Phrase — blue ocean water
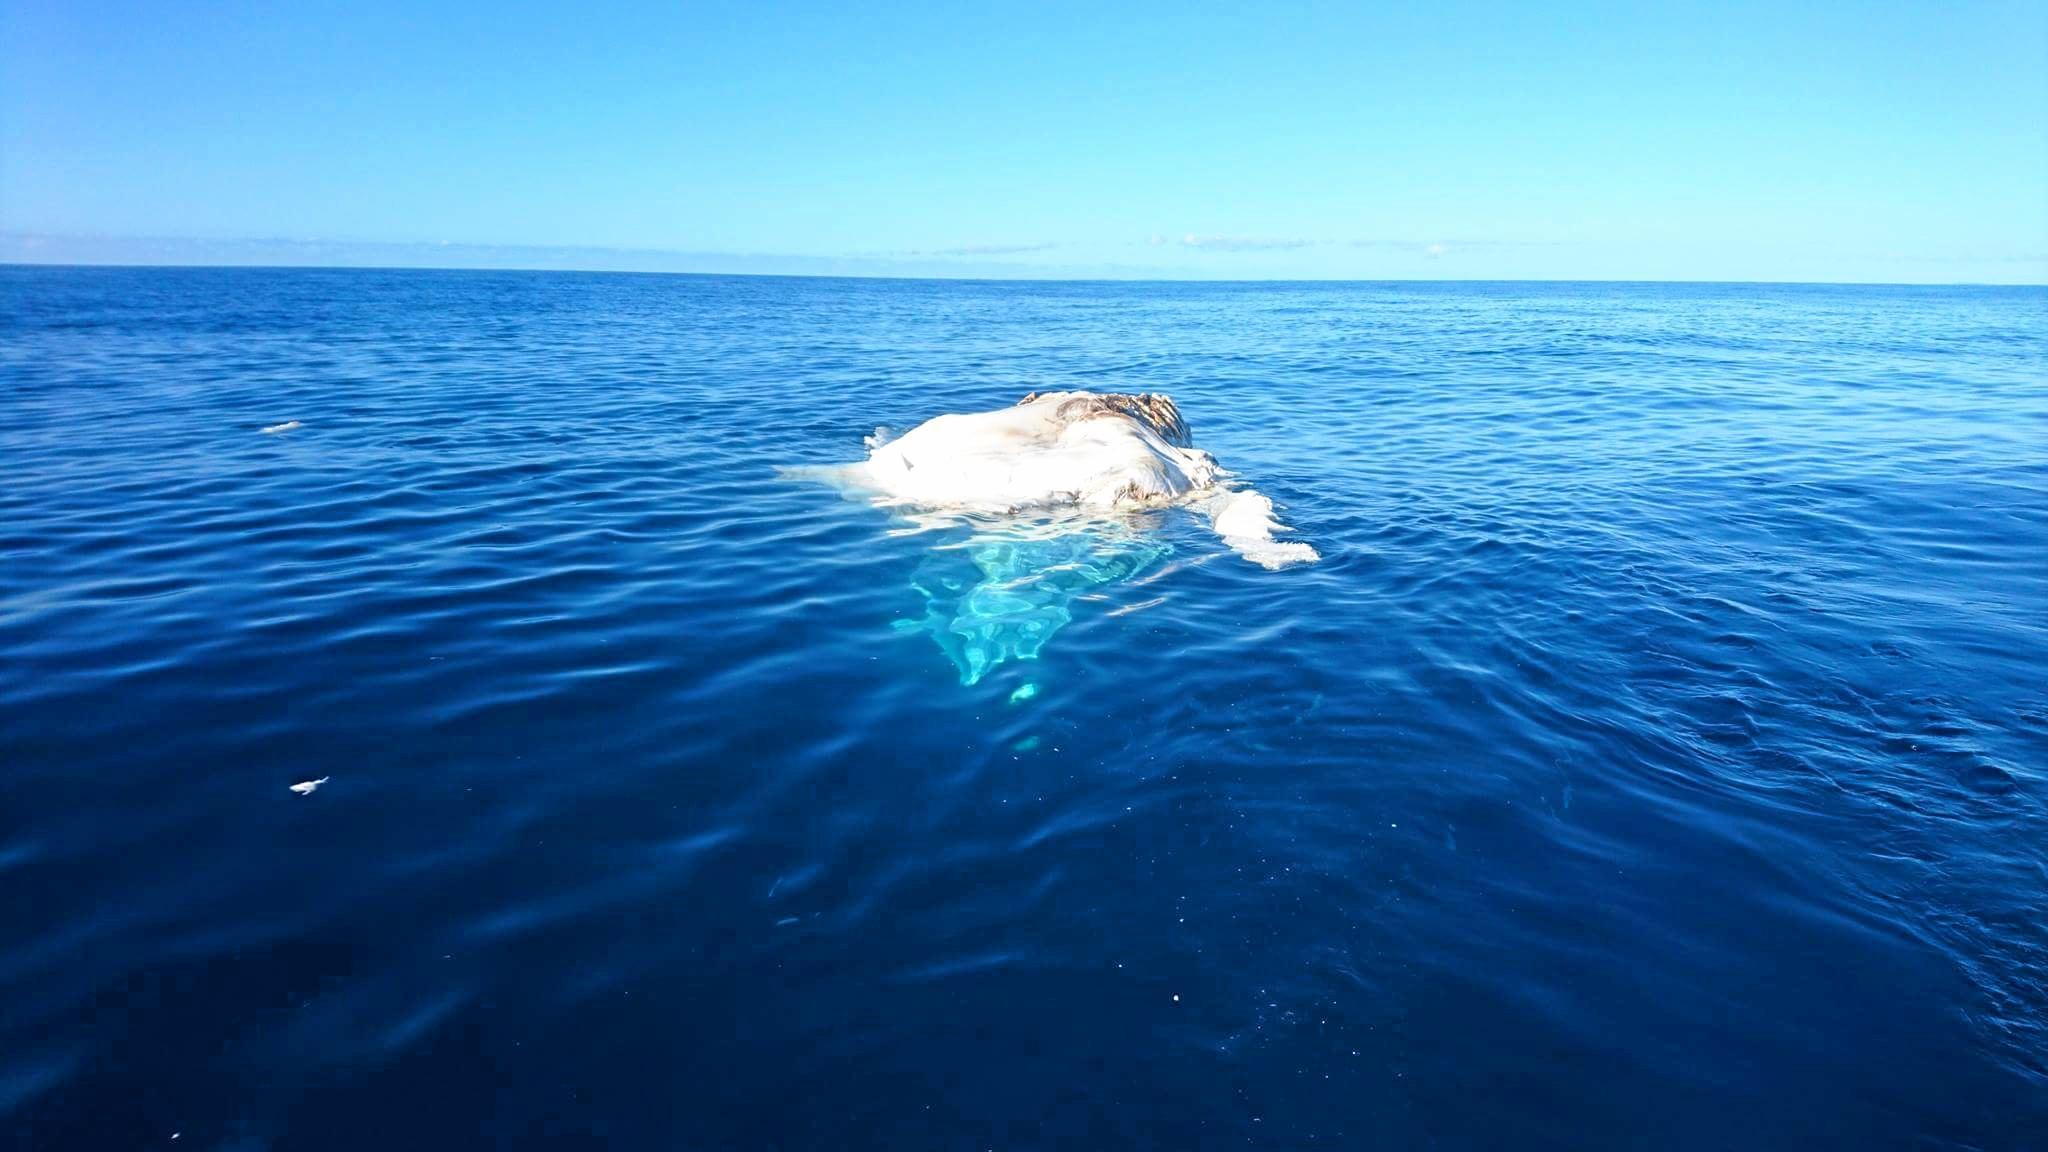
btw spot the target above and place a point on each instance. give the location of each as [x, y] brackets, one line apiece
[1655, 759]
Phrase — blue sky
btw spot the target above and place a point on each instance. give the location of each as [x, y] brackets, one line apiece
[1852, 142]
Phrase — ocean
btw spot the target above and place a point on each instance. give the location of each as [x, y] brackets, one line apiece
[1657, 757]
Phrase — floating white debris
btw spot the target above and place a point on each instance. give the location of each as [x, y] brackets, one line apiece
[1245, 521]
[274, 429]
[305, 787]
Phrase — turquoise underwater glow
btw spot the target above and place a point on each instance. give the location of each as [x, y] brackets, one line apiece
[1004, 591]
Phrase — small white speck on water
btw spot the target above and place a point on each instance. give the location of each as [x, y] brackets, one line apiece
[1176, 997]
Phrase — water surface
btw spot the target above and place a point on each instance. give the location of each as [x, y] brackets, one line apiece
[1655, 759]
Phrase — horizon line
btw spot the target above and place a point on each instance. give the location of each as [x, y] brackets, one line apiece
[112, 265]
[1467, 261]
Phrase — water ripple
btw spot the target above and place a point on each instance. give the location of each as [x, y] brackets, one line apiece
[1660, 747]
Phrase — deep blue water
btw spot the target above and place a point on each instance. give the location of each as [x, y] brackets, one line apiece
[1657, 758]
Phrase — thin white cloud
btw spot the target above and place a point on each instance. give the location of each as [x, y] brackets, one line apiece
[990, 250]
[1442, 247]
[1242, 243]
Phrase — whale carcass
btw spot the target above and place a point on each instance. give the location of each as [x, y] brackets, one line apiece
[1091, 450]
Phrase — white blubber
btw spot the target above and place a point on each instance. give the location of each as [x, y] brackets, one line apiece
[1245, 521]
[1082, 449]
